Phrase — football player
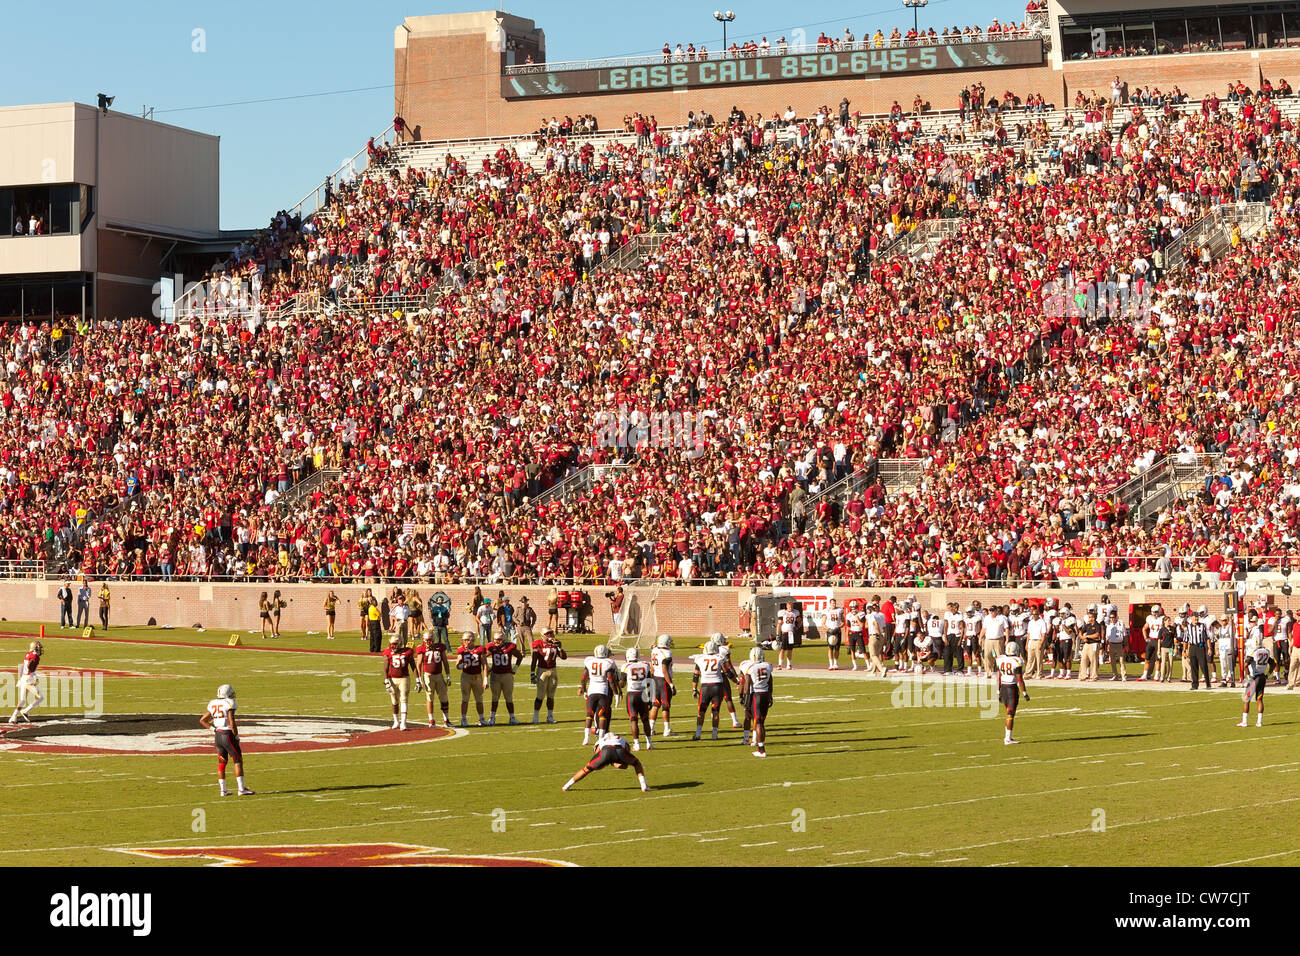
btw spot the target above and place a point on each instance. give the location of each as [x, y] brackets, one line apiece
[542, 672]
[433, 669]
[834, 635]
[469, 661]
[756, 688]
[788, 618]
[711, 671]
[504, 658]
[220, 719]
[638, 688]
[27, 681]
[599, 685]
[1011, 684]
[611, 751]
[857, 619]
[398, 662]
[661, 669]
[724, 649]
[1259, 667]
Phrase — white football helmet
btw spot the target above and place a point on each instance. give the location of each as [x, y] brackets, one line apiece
[226, 692]
[1013, 649]
[721, 640]
[601, 651]
[665, 642]
[711, 647]
[632, 655]
[717, 638]
[756, 655]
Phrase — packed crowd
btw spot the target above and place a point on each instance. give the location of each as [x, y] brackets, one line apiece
[767, 319]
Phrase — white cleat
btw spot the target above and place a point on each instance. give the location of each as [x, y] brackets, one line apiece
[649, 744]
[1011, 740]
[514, 722]
[715, 733]
[550, 718]
[1242, 724]
[535, 718]
[759, 753]
[394, 723]
[636, 745]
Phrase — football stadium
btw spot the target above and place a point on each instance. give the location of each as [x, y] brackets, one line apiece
[740, 452]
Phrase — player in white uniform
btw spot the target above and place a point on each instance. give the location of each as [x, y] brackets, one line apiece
[1227, 659]
[1011, 685]
[1259, 666]
[786, 618]
[599, 686]
[756, 692]
[857, 619]
[611, 751]
[27, 681]
[834, 637]
[710, 672]
[661, 670]
[638, 689]
[220, 719]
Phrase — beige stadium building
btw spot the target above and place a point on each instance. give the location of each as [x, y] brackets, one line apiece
[122, 206]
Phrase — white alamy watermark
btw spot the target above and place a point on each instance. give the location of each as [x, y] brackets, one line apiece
[636, 428]
[82, 691]
[77, 909]
[1094, 300]
[927, 691]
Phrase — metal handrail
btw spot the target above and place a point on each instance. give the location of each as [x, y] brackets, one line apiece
[346, 172]
[31, 569]
[835, 46]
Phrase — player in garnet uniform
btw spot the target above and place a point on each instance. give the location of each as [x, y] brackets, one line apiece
[599, 685]
[469, 661]
[637, 690]
[724, 650]
[220, 719]
[433, 668]
[611, 751]
[398, 661]
[542, 672]
[661, 667]
[504, 658]
[27, 682]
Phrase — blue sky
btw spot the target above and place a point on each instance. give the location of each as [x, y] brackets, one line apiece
[323, 71]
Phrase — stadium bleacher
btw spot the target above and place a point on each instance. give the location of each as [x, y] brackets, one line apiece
[381, 389]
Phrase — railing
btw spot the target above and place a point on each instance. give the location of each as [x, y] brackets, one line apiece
[927, 232]
[835, 46]
[1215, 229]
[900, 472]
[575, 482]
[296, 493]
[629, 255]
[31, 569]
[1177, 474]
[308, 205]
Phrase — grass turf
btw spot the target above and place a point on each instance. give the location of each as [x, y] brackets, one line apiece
[1104, 776]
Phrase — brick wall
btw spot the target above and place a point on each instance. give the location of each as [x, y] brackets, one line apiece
[681, 611]
[449, 86]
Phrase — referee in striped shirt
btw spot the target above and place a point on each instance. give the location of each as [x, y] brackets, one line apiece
[1196, 633]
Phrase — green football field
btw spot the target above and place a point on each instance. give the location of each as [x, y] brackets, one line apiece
[861, 771]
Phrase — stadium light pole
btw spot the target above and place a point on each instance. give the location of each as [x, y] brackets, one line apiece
[916, 6]
[724, 17]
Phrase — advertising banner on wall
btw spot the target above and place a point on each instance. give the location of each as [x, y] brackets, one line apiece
[541, 79]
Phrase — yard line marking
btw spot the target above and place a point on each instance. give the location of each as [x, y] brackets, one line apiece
[551, 824]
[598, 826]
[1008, 863]
[620, 832]
[956, 859]
[946, 753]
[1137, 763]
[797, 849]
[1094, 761]
[746, 846]
[1254, 859]
[715, 839]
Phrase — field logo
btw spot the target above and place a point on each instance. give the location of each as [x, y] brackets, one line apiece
[76, 909]
[331, 854]
[936, 692]
[181, 734]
